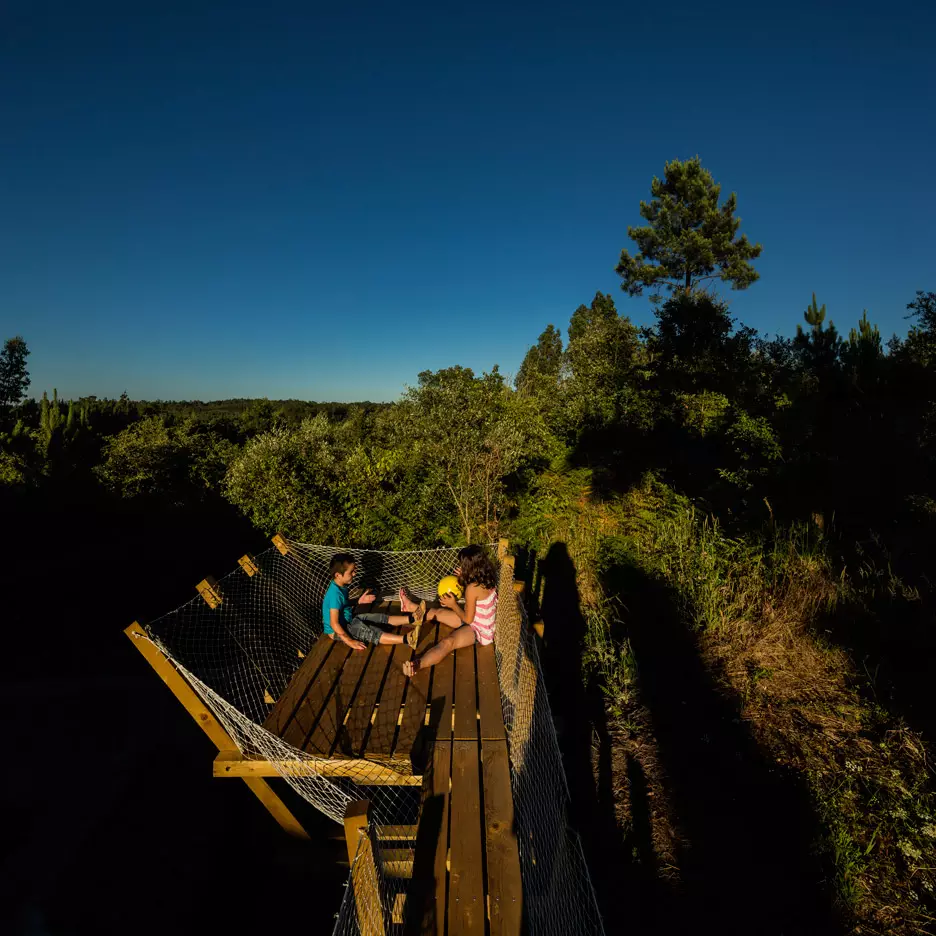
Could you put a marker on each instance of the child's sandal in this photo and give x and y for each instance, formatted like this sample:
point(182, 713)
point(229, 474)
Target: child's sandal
point(412, 638)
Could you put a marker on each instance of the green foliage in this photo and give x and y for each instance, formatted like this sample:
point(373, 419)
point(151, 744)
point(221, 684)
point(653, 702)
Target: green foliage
point(602, 372)
point(754, 448)
point(176, 464)
point(478, 440)
point(14, 376)
point(689, 239)
point(541, 366)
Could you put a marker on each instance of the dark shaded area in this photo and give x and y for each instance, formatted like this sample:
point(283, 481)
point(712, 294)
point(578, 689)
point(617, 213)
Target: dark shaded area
point(579, 714)
point(112, 821)
point(893, 642)
point(749, 863)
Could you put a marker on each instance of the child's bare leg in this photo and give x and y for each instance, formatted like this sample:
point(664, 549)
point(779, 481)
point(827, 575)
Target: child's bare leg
point(444, 616)
point(464, 636)
point(386, 638)
point(398, 620)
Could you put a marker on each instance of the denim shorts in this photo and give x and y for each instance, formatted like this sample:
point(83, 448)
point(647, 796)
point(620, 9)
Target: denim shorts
point(364, 627)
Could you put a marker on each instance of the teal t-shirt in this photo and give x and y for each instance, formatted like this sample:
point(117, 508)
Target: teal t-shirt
point(336, 596)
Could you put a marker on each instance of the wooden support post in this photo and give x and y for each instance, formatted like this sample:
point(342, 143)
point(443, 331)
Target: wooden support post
point(208, 589)
point(366, 875)
point(280, 543)
point(502, 546)
point(210, 725)
point(249, 565)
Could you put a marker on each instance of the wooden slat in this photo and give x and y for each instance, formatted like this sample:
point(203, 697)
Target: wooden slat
point(489, 700)
point(505, 889)
point(316, 698)
point(298, 686)
point(233, 764)
point(330, 724)
point(414, 705)
point(351, 742)
point(383, 731)
point(426, 904)
point(396, 833)
point(466, 904)
point(441, 698)
point(466, 695)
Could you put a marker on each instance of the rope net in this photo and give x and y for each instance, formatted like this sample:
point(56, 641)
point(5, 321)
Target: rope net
point(239, 653)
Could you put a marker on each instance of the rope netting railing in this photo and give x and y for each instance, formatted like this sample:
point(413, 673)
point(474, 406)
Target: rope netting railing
point(240, 655)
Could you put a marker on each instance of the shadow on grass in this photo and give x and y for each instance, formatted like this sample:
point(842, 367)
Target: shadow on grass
point(748, 860)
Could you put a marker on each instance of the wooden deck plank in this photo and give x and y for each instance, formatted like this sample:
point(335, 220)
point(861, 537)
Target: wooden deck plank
point(379, 742)
point(467, 908)
point(330, 723)
point(416, 700)
point(504, 886)
point(351, 742)
point(442, 697)
point(466, 696)
point(426, 902)
point(285, 707)
point(489, 700)
point(319, 692)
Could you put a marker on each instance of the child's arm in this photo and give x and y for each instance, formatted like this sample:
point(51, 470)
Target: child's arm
point(467, 613)
point(366, 598)
point(341, 633)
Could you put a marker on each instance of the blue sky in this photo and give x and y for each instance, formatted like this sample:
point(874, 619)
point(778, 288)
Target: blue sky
point(320, 201)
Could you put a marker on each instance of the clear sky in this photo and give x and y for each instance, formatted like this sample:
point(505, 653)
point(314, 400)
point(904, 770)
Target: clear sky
point(202, 199)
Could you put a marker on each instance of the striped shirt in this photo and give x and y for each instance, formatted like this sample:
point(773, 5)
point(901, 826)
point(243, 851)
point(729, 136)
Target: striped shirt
point(483, 623)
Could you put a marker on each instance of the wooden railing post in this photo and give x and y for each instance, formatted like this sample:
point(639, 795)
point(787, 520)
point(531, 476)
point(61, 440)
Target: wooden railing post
point(210, 725)
point(366, 876)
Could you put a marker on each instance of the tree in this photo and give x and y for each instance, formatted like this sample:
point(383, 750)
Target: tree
point(542, 362)
point(689, 239)
point(14, 377)
point(601, 386)
point(476, 434)
point(601, 310)
point(178, 465)
point(818, 348)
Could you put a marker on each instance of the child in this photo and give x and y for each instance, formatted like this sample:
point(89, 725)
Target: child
point(338, 613)
point(478, 578)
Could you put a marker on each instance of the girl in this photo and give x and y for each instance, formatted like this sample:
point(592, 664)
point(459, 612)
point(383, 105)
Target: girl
point(474, 623)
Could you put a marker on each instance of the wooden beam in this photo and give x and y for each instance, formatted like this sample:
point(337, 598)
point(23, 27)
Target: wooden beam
point(502, 546)
point(366, 877)
point(280, 543)
point(208, 589)
point(249, 564)
point(234, 764)
point(275, 807)
point(180, 688)
point(210, 725)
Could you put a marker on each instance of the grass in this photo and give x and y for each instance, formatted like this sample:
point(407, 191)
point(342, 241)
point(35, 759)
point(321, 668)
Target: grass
point(753, 604)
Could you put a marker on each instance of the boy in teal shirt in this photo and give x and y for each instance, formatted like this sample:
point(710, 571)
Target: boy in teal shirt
point(355, 629)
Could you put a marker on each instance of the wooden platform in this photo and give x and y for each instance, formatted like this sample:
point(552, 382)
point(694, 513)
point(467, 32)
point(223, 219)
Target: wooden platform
point(442, 729)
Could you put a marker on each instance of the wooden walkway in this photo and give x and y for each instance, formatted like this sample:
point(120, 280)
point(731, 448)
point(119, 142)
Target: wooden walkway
point(444, 730)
